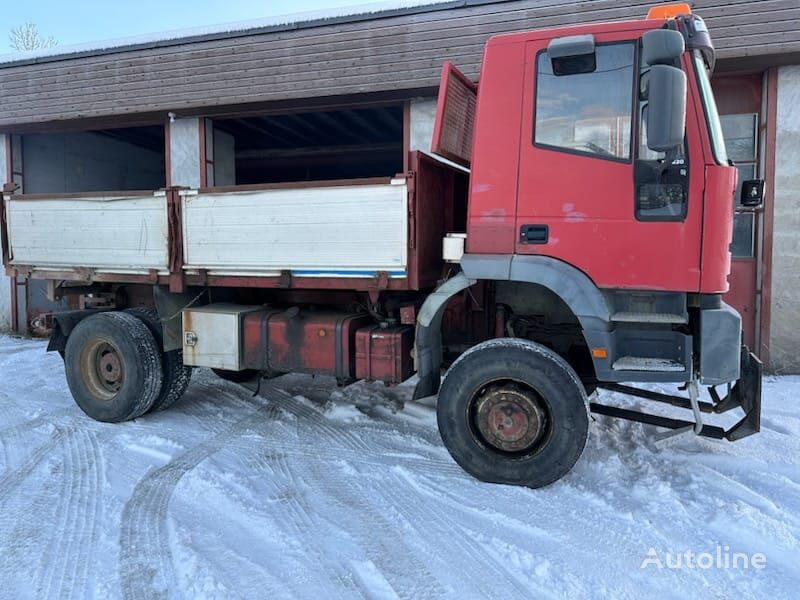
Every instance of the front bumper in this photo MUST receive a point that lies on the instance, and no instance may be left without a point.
(744, 394)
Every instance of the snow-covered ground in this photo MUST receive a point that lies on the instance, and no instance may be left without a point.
(299, 493)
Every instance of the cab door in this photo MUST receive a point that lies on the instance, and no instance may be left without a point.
(590, 193)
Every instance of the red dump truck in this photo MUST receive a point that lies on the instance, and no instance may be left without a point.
(570, 230)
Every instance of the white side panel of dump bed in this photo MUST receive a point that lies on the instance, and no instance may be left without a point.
(111, 233)
(335, 231)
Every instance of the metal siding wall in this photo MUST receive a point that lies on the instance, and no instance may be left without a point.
(402, 52)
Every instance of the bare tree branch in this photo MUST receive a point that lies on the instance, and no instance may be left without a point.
(27, 37)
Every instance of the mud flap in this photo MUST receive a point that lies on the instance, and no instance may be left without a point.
(428, 338)
(746, 393)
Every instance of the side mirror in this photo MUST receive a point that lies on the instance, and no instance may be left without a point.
(666, 110)
(752, 193)
(662, 46)
(572, 55)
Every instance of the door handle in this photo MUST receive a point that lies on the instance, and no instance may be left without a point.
(533, 234)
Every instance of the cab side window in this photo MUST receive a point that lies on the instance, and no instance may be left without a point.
(587, 113)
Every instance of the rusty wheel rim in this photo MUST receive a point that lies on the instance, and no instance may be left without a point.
(102, 369)
(509, 417)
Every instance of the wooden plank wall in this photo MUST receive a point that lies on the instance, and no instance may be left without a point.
(396, 54)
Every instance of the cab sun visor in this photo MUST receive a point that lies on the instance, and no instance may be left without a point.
(572, 55)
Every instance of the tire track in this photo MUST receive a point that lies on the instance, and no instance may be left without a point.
(146, 569)
(356, 449)
(451, 534)
(11, 434)
(370, 534)
(43, 419)
(64, 568)
(348, 496)
(17, 476)
(297, 408)
(303, 521)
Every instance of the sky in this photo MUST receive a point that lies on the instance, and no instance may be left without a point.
(77, 21)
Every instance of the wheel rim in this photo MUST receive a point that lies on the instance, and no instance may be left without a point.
(102, 369)
(509, 417)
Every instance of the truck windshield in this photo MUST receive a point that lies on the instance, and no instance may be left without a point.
(710, 109)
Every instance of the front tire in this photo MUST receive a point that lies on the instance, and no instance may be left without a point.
(113, 367)
(512, 411)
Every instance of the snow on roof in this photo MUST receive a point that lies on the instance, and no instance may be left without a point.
(249, 27)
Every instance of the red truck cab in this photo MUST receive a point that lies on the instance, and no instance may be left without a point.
(568, 153)
(601, 199)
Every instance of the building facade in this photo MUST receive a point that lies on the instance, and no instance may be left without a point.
(195, 110)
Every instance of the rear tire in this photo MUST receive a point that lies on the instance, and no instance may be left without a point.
(236, 376)
(512, 411)
(176, 375)
(113, 367)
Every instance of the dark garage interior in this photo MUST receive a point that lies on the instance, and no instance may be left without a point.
(315, 146)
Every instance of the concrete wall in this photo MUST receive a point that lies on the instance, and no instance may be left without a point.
(184, 152)
(785, 324)
(5, 282)
(423, 114)
(88, 162)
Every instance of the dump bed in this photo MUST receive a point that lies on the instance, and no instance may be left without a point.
(336, 234)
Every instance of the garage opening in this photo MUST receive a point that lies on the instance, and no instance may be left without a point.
(121, 159)
(309, 146)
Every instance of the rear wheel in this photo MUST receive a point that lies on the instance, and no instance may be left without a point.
(176, 375)
(113, 367)
(512, 411)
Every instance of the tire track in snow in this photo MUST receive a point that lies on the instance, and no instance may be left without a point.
(355, 443)
(297, 408)
(303, 521)
(345, 494)
(484, 567)
(370, 533)
(411, 511)
(9, 436)
(432, 466)
(356, 449)
(450, 536)
(146, 569)
(43, 419)
(13, 478)
(64, 567)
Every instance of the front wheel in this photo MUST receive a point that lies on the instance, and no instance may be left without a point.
(512, 411)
